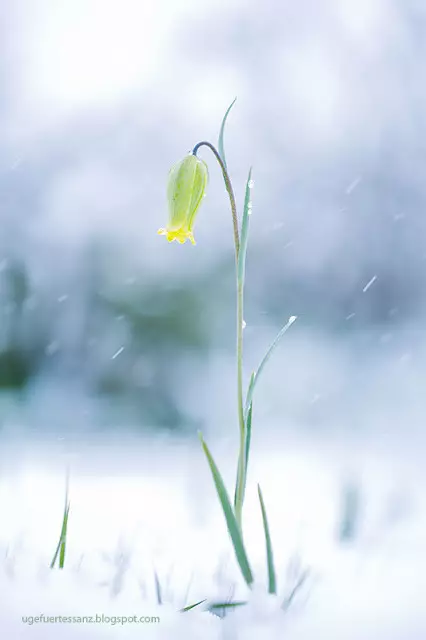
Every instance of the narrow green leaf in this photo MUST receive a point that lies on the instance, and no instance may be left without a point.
(300, 582)
(272, 584)
(248, 438)
(55, 555)
(158, 588)
(249, 395)
(221, 609)
(226, 605)
(231, 521)
(266, 357)
(247, 420)
(244, 231)
(62, 542)
(222, 131)
(192, 606)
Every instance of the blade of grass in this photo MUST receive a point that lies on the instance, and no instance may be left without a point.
(300, 582)
(220, 609)
(272, 583)
(158, 588)
(244, 231)
(249, 396)
(62, 542)
(226, 605)
(265, 359)
(248, 440)
(247, 449)
(231, 521)
(192, 606)
(222, 131)
(61, 546)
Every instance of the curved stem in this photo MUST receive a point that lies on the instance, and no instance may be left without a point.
(228, 188)
(239, 493)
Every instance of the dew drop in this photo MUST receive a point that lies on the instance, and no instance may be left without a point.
(292, 319)
(244, 324)
(251, 184)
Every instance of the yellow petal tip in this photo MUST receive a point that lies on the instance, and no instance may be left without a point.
(180, 235)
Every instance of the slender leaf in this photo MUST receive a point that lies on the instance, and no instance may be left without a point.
(244, 231)
(221, 609)
(62, 542)
(266, 357)
(300, 582)
(226, 605)
(222, 131)
(247, 420)
(158, 588)
(192, 606)
(272, 583)
(61, 546)
(248, 439)
(231, 521)
(55, 555)
(249, 395)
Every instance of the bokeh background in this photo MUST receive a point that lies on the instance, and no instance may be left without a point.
(106, 330)
(99, 101)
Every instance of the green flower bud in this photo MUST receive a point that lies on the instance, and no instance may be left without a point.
(185, 190)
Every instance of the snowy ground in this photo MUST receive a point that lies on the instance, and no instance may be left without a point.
(349, 519)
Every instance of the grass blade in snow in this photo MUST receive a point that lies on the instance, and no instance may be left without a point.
(62, 543)
(247, 448)
(272, 584)
(192, 606)
(233, 528)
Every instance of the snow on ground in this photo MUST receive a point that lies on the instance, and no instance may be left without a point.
(348, 524)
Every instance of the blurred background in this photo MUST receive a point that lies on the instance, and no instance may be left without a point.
(99, 100)
(107, 329)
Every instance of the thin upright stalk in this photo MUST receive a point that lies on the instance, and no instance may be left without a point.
(240, 318)
(239, 494)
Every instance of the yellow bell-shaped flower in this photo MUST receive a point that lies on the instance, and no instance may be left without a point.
(185, 190)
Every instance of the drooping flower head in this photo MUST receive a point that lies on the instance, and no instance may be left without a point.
(186, 188)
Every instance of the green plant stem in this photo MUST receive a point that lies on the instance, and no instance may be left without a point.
(229, 189)
(240, 318)
(239, 496)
